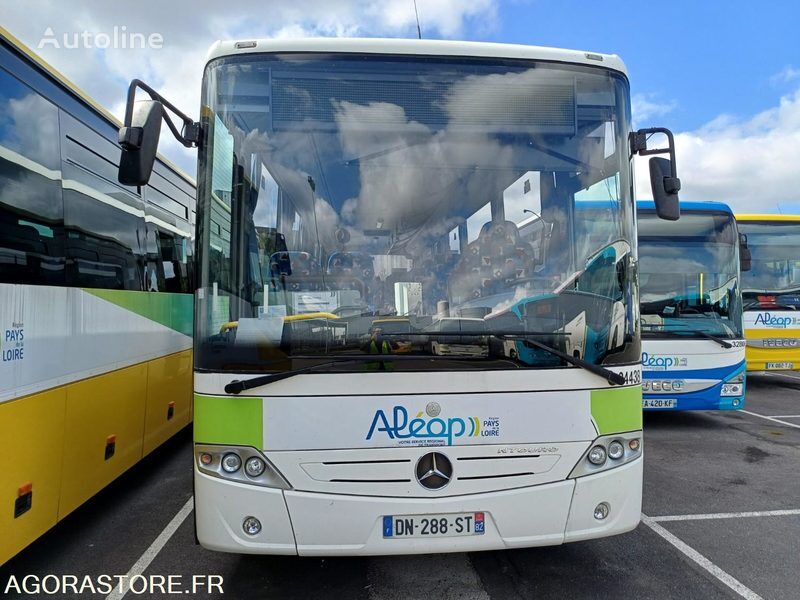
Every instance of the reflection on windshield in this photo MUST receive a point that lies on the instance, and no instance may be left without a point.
(688, 274)
(412, 207)
(774, 279)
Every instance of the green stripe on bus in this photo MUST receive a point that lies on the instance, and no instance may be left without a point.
(232, 420)
(617, 409)
(169, 309)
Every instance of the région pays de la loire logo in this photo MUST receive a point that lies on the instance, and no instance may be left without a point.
(12, 344)
(429, 429)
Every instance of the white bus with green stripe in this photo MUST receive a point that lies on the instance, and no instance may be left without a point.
(95, 301)
(401, 345)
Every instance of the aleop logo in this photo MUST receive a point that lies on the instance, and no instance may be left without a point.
(423, 430)
(662, 362)
(768, 320)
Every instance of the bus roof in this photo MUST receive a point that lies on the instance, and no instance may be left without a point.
(76, 91)
(416, 47)
(692, 205)
(767, 217)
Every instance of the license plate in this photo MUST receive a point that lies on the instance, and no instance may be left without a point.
(427, 526)
(658, 403)
(780, 366)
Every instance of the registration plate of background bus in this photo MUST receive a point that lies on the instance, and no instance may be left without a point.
(658, 403)
(779, 366)
(428, 526)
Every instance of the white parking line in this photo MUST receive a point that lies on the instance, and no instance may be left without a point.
(784, 416)
(782, 375)
(729, 580)
(773, 419)
(145, 559)
(737, 515)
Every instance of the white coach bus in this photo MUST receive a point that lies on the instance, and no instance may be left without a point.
(362, 203)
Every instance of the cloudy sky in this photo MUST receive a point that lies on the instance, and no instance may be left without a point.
(724, 76)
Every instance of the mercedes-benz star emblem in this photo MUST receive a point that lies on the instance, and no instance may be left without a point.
(433, 409)
(434, 471)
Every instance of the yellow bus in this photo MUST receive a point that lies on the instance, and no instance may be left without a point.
(771, 291)
(95, 301)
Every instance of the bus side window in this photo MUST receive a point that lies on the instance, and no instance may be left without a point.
(31, 205)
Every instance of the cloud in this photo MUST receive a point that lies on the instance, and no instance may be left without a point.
(644, 107)
(189, 27)
(787, 75)
(751, 164)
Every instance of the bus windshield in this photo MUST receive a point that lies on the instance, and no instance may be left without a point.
(421, 207)
(774, 279)
(688, 274)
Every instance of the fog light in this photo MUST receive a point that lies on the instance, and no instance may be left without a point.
(252, 526)
(634, 444)
(254, 466)
(736, 402)
(206, 458)
(597, 455)
(616, 450)
(231, 462)
(601, 511)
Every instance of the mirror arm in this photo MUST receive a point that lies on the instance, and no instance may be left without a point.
(638, 143)
(131, 137)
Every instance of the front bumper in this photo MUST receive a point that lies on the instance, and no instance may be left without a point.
(317, 524)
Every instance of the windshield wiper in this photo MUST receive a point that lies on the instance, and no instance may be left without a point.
(607, 374)
(238, 386)
(700, 332)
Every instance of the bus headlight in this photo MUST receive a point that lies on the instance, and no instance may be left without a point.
(225, 462)
(616, 450)
(732, 389)
(621, 448)
(231, 462)
(254, 466)
(734, 386)
(597, 455)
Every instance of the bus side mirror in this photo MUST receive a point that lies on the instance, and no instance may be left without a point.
(139, 143)
(139, 135)
(663, 173)
(665, 189)
(745, 256)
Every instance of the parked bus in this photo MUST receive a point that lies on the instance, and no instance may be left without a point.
(691, 309)
(771, 292)
(415, 165)
(95, 301)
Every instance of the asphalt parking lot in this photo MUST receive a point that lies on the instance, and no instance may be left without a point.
(721, 520)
